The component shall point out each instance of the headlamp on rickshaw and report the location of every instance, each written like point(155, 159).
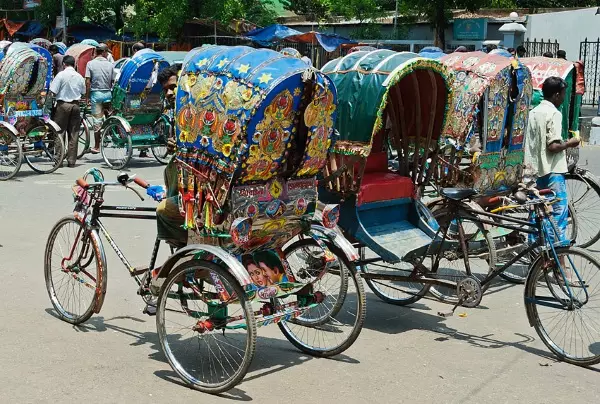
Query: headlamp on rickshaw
point(241, 230)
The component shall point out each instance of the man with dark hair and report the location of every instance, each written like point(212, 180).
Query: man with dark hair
point(57, 60)
point(68, 86)
point(548, 55)
point(521, 51)
point(545, 156)
point(561, 54)
point(168, 80)
point(138, 46)
point(99, 79)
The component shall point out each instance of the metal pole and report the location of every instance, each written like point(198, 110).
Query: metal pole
point(395, 18)
point(64, 19)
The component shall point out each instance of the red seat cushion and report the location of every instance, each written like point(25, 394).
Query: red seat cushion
point(384, 186)
point(377, 162)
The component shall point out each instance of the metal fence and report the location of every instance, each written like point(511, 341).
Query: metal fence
point(538, 48)
point(589, 53)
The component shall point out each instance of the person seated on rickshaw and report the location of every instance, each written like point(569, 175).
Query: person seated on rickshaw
point(169, 220)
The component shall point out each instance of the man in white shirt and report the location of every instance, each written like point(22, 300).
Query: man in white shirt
point(68, 86)
point(545, 156)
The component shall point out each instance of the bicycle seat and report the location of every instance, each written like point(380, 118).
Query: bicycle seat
point(458, 194)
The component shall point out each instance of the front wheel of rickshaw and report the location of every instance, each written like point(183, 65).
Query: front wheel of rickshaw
point(116, 146)
point(330, 330)
point(44, 149)
point(11, 154)
point(206, 326)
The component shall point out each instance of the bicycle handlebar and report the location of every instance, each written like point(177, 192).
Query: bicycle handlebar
point(139, 181)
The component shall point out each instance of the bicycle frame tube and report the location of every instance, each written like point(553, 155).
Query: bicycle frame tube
point(115, 247)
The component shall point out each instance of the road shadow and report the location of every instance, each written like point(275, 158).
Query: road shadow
point(135, 162)
point(272, 355)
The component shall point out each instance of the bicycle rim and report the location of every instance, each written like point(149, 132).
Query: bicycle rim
point(83, 139)
point(74, 270)
point(208, 340)
point(569, 326)
point(115, 146)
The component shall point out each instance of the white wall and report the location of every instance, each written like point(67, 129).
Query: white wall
point(570, 28)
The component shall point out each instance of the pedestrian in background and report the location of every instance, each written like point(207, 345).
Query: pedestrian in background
point(57, 60)
point(99, 80)
point(68, 87)
point(561, 54)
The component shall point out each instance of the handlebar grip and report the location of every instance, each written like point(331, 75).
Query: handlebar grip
point(493, 200)
point(545, 191)
point(82, 183)
point(141, 182)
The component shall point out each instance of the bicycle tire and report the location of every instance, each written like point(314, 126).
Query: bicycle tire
point(588, 232)
point(83, 139)
point(448, 295)
point(109, 138)
point(54, 150)
point(160, 152)
point(11, 154)
point(539, 271)
point(335, 325)
point(185, 271)
point(92, 246)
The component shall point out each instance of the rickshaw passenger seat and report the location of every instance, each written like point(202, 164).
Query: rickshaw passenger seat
point(458, 194)
point(379, 184)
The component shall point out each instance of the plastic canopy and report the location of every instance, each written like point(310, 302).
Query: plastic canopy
point(17, 72)
point(140, 72)
point(240, 104)
point(368, 81)
point(43, 42)
point(432, 52)
point(82, 54)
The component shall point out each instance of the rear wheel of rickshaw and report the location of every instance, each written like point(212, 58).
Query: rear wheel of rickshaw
point(160, 152)
point(481, 255)
point(11, 154)
point(74, 270)
point(206, 331)
point(331, 326)
point(584, 193)
point(44, 149)
point(116, 146)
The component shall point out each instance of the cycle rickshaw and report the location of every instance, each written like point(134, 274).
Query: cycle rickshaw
point(399, 101)
point(582, 186)
point(26, 128)
point(137, 120)
point(253, 132)
point(83, 54)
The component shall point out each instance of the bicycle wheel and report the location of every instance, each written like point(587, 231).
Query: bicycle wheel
point(511, 245)
point(160, 152)
point(305, 259)
point(310, 333)
point(74, 268)
point(584, 193)
point(83, 139)
point(44, 149)
point(568, 326)
point(208, 340)
point(400, 293)
point(116, 146)
point(11, 155)
point(480, 247)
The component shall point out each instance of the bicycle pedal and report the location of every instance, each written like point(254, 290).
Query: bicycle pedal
point(139, 271)
point(150, 310)
point(446, 314)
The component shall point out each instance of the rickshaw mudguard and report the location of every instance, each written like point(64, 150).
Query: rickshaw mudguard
point(9, 127)
point(103, 275)
point(230, 263)
point(117, 120)
point(335, 237)
point(53, 125)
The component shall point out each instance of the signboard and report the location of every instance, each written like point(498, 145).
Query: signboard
point(469, 29)
point(59, 22)
point(27, 4)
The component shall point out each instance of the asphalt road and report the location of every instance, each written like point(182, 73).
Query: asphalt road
point(490, 354)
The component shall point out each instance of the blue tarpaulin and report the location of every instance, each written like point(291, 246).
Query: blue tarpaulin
point(31, 28)
point(273, 33)
point(86, 30)
point(329, 42)
point(431, 52)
